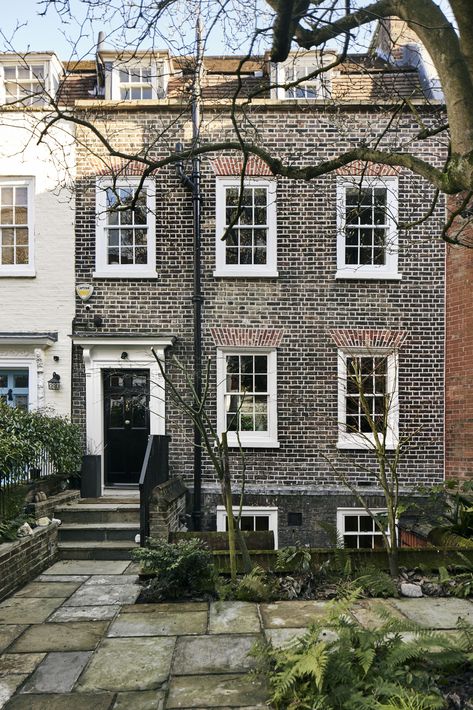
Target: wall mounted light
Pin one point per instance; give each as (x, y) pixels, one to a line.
(55, 382)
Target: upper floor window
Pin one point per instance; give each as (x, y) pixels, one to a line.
(16, 227)
(299, 77)
(367, 399)
(246, 391)
(125, 237)
(29, 81)
(247, 216)
(136, 78)
(367, 243)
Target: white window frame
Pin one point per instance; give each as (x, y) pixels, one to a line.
(256, 511)
(268, 270)
(51, 73)
(345, 512)
(355, 440)
(159, 77)
(29, 364)
(252, 439)
(389, 270)
(283, 73)
(125, 271)
(22, 270)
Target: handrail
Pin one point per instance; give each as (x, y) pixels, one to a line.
(155, 470)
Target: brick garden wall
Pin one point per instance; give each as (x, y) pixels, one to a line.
(24, 559)
(167, 509)
(305, 302)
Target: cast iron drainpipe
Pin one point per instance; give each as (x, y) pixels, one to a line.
(193, 183)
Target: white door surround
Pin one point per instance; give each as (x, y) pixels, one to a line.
(120, 353)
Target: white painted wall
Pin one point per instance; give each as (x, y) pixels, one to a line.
(44, 302)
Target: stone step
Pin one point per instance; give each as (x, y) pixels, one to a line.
(99, 513)
(96, 550)
(97, 532)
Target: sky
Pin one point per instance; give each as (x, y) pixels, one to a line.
(23, 29)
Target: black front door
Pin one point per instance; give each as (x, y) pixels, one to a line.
(126, 399)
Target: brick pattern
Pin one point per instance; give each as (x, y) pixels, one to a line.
(459, 352)
(247, 337)
(23, 559)
(359, 167)
(168, 509)
(368, 338)
(306, 302)
(227, 165)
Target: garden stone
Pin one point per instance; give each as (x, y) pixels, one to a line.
(107, 594)
(213, 654)
(411, 590)
(128, 664)
(8, 633)
(57, 673)
(159, 624)
(233, 617)
(144, 700)
(24, 530)
(8, 685)
(45, 577)
(66, 701)
(27, 610)
(216, 691)
(48, 589)
(84, 613)
(75, 636)
(434, 613)
(173, 607)
(88, 567)
(19, 663)
(43, 522)
(112, 579)
(292, 614)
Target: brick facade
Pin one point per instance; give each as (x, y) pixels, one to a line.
(306, 304)
(23, 559)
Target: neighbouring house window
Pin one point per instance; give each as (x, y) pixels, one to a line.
(298, 77)
(125, 229)
(357, 529)
(136, 82)
(367, 245)
(248, 218)
(16, 227)
(246, 386)
(14, 385)
(135, 78)
(252, 519)
(368, 399)
(28, 82)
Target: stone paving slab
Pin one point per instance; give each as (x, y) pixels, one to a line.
(159, 624)
(144, 700)
(128, 664)
(213, 654)
(112, 579)
(8, 685)
(215, 691)
(48, 589)
(292, 614)
(104, 594)
(369, 612)
(75, 636)
(62, 578)
(133, 568)
(283, 637)
(87, 567)
(177, 607)
(24, 610)
(435, 613)
(234, 618)
(8, 633)
(84, 613)
(19, 663)
(66, 701)
(57, 673)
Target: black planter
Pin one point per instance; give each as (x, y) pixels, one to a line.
(91, 474)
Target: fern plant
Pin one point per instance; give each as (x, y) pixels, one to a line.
(361, 669)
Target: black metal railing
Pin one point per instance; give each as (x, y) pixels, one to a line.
(155, 470)
(14, 479)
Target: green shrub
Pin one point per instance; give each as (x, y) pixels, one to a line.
(182, 569)
(339, 665)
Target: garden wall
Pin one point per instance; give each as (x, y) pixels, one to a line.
(24, 559)
(167, 509)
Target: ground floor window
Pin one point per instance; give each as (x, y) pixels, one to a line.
(357, 529)
(252, 519)
(14, 388)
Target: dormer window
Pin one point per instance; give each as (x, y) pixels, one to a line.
(28, 81)
(135, 78)
(297, 77)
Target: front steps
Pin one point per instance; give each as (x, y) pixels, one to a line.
(98, 531)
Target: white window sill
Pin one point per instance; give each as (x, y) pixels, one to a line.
(148, 274)
(362, 274)
(362, 443)
(256, 443)
(22, 272)
(247, 273)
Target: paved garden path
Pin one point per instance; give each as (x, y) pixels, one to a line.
(74, 640)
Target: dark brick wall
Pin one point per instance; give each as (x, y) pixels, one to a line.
(305, 301)
(24, 559)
